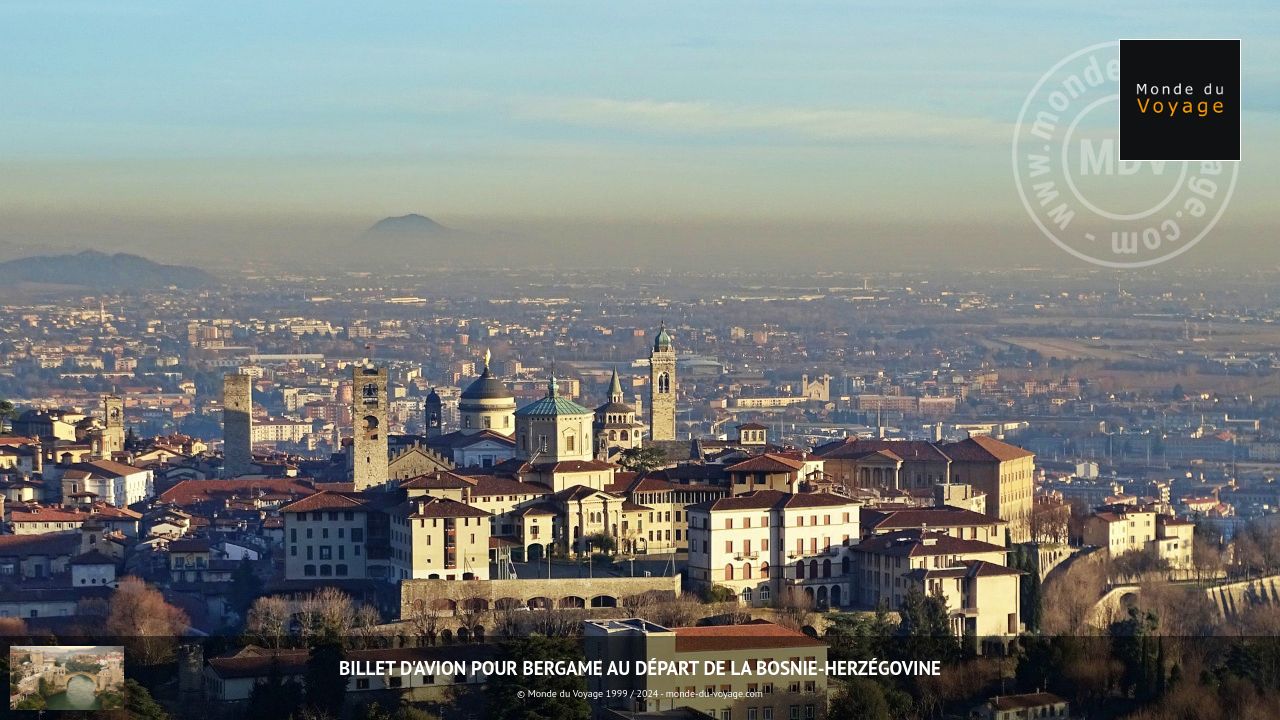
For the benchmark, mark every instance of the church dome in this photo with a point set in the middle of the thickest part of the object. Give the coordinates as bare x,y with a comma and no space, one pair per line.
486,387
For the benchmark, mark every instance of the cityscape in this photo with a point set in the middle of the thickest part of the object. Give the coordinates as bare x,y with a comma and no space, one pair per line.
708,360
432,469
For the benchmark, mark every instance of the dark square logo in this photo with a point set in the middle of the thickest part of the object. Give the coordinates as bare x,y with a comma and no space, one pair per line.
1179,99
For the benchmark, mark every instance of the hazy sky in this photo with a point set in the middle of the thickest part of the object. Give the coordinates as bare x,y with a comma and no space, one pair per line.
127,120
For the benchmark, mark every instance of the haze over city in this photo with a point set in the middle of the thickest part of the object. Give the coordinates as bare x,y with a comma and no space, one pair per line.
565,134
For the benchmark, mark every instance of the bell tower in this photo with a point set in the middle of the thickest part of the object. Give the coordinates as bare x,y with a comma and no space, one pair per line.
113,425
434,408
369,454
662,387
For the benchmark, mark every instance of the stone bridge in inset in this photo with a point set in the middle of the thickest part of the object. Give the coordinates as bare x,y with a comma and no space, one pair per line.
101,680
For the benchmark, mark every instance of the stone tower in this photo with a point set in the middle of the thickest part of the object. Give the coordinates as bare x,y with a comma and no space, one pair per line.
237,425
369,452
434,414
662,387
113,425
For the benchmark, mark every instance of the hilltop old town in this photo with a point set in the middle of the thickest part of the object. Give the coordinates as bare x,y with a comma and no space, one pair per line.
675,503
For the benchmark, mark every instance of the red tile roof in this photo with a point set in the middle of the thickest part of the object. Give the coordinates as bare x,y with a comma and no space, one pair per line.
324,501
982,448
191,492
767,463
444,508
920,543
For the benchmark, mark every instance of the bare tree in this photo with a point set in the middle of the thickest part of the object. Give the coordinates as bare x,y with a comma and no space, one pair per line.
366,627
470,611
1070,596
556,622
795,609
1050,521
680,612
139,611
424,618
268,621
327,612
12,627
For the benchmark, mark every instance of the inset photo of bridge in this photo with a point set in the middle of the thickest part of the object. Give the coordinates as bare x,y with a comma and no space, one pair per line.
66,677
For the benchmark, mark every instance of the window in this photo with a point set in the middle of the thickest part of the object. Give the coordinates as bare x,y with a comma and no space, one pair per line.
309,570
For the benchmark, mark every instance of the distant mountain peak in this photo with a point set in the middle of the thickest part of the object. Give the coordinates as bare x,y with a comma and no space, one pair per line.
408,223
91,268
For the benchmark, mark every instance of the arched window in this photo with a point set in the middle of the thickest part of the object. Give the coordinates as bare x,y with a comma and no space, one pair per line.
746,571
764,570
826,568
799,569
728,572
813,568
844,565
664,383
370,391
625,435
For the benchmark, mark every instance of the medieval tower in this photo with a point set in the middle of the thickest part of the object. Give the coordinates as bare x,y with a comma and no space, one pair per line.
434,414
113,425
369,452
237,425
662,388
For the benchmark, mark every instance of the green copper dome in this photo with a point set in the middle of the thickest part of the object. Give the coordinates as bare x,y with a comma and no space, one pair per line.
663,340
552,405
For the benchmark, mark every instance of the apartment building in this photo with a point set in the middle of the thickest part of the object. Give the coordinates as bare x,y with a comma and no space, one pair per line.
1124,529
884,562
764,543
326,536
437,538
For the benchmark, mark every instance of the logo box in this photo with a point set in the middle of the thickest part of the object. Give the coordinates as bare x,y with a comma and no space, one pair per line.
1180,100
